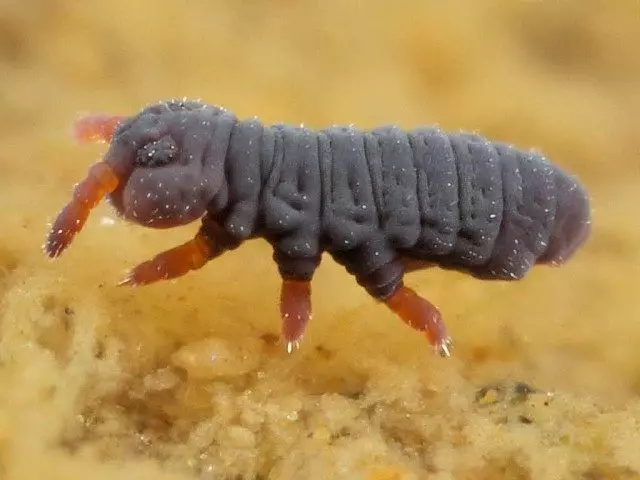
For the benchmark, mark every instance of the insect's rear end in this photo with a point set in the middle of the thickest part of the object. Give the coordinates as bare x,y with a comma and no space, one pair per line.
492,210
572,222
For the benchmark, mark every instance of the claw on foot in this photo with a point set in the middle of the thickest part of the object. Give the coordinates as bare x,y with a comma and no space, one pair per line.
96,128
295,310
172,263
292,346
100,181
421,315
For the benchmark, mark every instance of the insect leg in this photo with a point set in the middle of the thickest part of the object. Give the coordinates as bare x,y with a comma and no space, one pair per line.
422,315
295,296
295,310
210,242
385,283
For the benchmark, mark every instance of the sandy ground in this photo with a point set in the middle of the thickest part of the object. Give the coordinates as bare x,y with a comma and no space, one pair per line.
104,382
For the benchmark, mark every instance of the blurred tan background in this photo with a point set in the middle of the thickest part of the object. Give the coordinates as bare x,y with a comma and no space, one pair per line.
562,77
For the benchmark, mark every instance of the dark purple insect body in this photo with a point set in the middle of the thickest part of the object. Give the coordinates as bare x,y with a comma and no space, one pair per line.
375,200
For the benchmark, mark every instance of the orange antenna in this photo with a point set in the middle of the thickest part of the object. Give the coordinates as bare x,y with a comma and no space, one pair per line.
100,181
96,128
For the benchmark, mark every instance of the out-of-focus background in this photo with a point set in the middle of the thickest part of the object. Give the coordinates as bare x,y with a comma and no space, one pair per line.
185,380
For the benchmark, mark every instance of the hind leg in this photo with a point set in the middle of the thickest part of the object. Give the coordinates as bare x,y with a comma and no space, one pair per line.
385,283
421,315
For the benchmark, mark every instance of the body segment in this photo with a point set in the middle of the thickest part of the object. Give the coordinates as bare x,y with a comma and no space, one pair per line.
374,200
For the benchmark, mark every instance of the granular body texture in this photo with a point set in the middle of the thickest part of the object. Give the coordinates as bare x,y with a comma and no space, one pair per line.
374,200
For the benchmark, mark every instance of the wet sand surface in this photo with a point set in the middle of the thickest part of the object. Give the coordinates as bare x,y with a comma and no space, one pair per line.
185,379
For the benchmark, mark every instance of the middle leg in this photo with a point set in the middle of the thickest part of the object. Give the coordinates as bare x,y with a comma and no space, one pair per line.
295,295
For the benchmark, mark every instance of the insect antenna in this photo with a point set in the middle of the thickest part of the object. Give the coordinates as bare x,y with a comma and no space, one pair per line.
99,182
97,128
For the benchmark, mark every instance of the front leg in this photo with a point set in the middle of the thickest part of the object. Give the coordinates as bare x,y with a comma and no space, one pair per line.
210,242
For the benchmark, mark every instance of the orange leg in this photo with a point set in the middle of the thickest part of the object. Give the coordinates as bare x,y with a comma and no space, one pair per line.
174,263
420,314
295,310
96,128
100,181
210,242
385,284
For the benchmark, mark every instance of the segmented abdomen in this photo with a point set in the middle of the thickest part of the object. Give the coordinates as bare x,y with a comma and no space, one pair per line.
456,199
366,196
482,206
